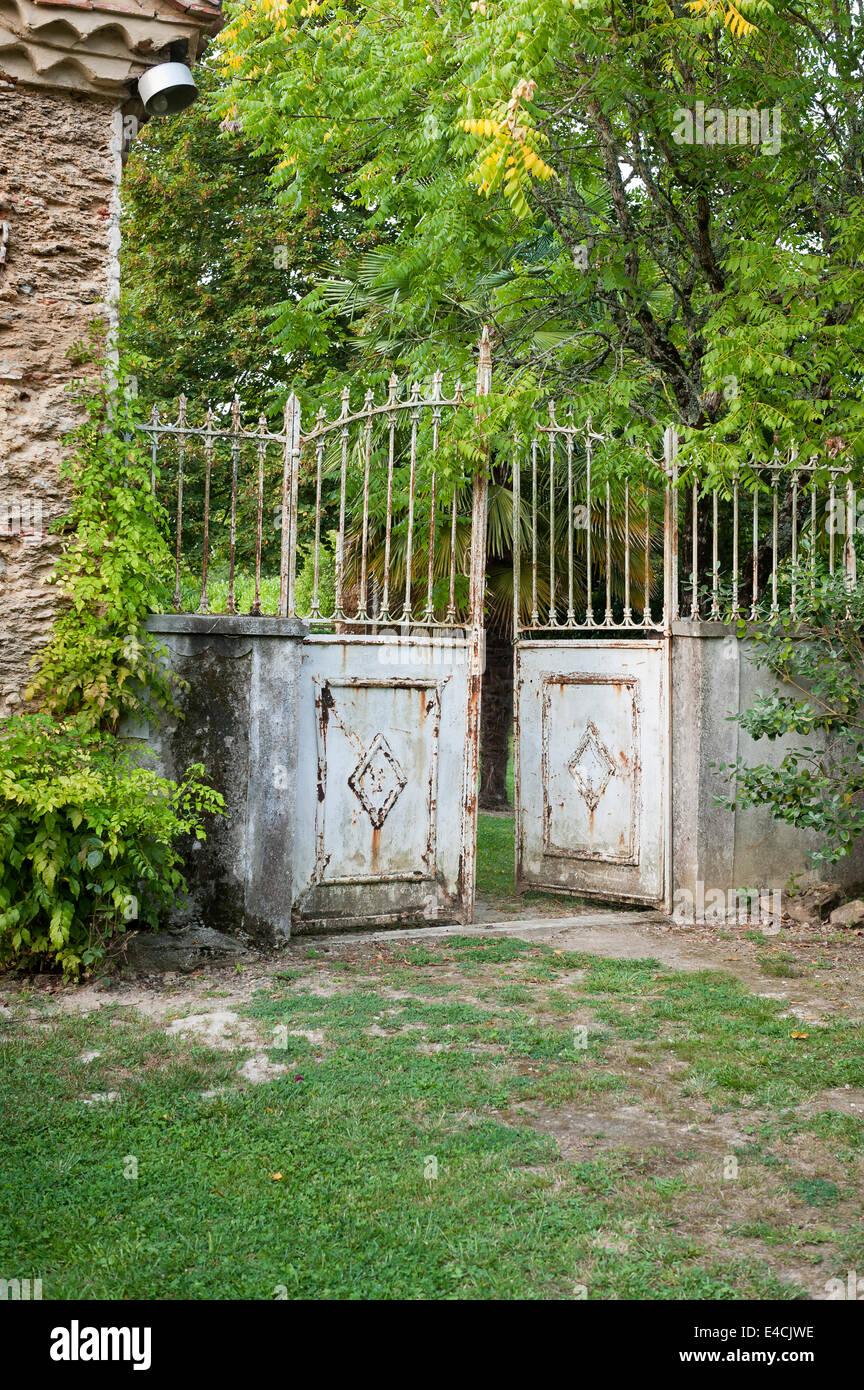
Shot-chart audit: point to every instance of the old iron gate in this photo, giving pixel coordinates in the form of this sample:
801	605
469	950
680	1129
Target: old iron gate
390	712
592	670
380	544
596	606
384	558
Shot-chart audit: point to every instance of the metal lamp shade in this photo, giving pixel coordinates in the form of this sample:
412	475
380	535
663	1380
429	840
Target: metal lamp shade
167	89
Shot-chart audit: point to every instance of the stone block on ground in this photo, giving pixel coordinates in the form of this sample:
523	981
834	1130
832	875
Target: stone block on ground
814	903
849	915
184	948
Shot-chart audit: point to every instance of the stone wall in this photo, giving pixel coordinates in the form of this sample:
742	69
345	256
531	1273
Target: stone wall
60	163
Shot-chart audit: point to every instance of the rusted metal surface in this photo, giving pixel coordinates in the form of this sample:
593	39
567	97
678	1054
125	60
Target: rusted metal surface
628	558
593	544
476	621
784	518
290	483
610	549
591	730
591	813
403	541
669	568
380	781
603	553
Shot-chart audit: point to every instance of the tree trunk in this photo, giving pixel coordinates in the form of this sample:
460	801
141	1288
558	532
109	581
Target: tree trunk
496	721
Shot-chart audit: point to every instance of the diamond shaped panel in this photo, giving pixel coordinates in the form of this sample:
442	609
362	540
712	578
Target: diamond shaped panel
592	766
377	781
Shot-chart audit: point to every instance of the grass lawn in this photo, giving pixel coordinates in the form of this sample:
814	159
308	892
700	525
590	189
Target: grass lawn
495	875
466	1118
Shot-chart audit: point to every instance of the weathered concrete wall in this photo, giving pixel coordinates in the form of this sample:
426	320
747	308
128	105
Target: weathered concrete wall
240	719
713	679
60	164
260	688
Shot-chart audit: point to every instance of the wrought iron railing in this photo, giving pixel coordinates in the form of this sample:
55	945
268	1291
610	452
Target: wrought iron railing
400	549
591	551
371	519
768	537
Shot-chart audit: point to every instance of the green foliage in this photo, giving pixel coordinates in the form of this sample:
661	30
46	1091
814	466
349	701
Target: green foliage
816	1192
520	159
87	840
305	586
101	663
208	251
88	837
819	655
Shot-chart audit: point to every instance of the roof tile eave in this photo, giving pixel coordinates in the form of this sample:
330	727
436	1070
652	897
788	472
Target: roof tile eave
207	10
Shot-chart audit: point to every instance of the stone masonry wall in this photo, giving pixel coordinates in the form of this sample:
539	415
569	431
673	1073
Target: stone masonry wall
59	188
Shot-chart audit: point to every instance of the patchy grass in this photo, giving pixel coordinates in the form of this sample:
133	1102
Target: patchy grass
463	1118
779	965
496	873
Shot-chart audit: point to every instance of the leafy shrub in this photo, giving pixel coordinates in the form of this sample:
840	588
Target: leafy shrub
819	653
88	840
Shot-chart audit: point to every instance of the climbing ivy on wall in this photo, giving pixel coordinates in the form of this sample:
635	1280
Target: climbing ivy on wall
100	662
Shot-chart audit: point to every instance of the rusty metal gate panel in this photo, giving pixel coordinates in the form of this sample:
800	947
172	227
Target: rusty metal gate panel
380	786
594	596
380	548
391	677
592	767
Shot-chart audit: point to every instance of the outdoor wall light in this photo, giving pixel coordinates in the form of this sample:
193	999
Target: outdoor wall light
167	89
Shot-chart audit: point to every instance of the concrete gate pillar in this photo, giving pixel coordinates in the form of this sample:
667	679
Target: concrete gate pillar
240	718
714	679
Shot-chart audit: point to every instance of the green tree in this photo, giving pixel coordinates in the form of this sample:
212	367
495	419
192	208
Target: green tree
817	655
209	251
659	207
548	168
715	285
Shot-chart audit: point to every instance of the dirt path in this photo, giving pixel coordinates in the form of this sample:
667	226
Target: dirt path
828	962
818	972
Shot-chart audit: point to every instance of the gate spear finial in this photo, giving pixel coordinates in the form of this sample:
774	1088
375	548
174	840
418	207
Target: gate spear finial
484	363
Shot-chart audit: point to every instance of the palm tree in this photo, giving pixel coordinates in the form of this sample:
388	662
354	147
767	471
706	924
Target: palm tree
451	556
368	292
